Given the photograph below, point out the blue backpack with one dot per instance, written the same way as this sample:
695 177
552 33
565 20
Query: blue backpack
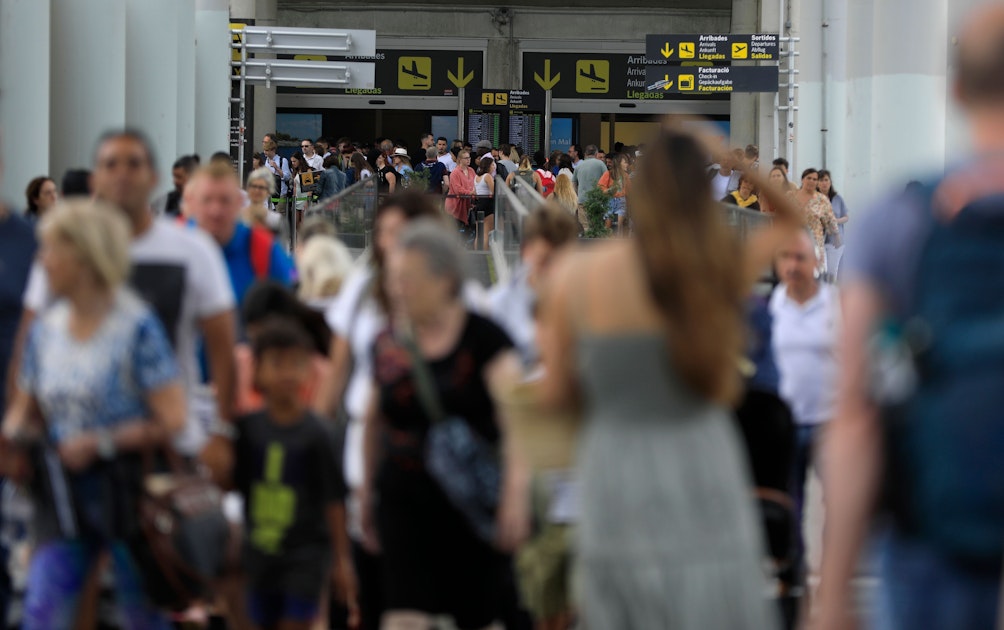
945 439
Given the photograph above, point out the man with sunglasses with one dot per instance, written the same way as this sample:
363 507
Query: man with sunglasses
315 161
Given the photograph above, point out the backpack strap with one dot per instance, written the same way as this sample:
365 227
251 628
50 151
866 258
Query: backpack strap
261 251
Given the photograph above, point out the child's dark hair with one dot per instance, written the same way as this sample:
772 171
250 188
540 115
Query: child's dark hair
281 333
268 299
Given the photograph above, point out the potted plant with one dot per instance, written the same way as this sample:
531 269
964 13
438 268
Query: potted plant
596 205
419 180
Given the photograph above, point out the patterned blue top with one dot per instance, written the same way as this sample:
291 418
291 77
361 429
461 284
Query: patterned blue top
101 382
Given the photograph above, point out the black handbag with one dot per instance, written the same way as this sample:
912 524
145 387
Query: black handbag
464 465
182 541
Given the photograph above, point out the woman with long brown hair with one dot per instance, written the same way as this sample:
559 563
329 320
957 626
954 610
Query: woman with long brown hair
668 536
779 181
616 182
41 195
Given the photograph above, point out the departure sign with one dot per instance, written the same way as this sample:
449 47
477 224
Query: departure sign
711 80
724 47
515 116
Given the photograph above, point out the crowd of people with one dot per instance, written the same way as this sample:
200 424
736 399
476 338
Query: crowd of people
462 175
209 429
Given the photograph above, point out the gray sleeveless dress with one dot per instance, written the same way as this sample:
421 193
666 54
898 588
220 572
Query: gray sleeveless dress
668 537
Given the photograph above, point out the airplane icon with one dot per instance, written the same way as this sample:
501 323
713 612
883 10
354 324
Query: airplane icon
591 75
414 71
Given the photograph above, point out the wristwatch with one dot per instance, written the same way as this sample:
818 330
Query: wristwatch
106 445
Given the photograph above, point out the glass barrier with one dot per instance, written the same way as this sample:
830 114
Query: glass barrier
745 222
351 212
512 206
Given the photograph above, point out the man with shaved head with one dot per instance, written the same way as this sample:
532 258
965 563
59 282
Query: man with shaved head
918 435
213 198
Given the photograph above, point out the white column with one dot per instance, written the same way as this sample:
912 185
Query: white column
24 105
153 49
885 93
212 77
88 78
808 17
910 90
186 78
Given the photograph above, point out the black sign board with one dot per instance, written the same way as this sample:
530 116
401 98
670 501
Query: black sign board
718 47
513 116
591 75
712 80
415 72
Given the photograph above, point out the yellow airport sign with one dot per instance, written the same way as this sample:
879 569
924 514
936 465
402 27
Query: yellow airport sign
414 73
592 76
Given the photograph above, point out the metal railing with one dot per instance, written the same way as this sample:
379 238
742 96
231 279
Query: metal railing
745 222
512 206
351 212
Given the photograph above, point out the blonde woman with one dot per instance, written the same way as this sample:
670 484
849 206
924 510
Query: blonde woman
527 174
324 264
259 211
99 370
564 195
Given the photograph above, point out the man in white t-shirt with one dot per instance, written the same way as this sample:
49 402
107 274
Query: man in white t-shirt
178 270
445 156
721 178
805 315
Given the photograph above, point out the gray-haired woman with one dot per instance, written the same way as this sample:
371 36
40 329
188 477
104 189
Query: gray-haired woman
259 211
434 563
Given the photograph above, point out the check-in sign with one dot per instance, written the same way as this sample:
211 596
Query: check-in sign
711 79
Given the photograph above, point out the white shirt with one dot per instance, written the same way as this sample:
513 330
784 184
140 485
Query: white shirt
720 185
448 161
511 307
575 164
180 272
316 162
804 338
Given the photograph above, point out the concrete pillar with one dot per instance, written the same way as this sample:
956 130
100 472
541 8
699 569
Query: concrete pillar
186 78
910 89
499 65
88 80
212 77
152 37
266 14
743 107
886 94
957 140
24 105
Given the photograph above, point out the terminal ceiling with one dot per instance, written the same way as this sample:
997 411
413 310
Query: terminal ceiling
694 5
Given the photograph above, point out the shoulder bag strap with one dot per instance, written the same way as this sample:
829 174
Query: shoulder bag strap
424 382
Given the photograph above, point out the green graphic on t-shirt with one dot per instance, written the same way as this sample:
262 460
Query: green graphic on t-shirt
273 505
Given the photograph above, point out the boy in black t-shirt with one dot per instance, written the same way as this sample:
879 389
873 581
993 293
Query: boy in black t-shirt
283 467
